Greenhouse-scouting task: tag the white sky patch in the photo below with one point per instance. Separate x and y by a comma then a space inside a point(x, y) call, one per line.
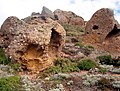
point(83, 8)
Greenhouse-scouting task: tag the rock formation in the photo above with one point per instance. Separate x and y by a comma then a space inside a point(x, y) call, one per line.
point(47, 13)
point(103, 30)
point(34, 41)
point(68, 17)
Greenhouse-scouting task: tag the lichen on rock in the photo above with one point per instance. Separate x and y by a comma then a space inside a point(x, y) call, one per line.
point(34, 41)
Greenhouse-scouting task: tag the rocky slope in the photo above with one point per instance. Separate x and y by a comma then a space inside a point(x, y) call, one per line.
point(71, 57)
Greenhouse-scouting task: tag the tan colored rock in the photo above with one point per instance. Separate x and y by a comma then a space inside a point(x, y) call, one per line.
point(103, 31)
point(34, 41)
point(68, 17)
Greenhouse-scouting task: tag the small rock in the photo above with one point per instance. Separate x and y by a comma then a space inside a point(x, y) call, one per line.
point(70, 82)
point(55, 89)
point(47, 78)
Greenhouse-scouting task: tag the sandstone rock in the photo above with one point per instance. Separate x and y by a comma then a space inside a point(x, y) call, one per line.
point(34, 41)
point(48, 13)
point(68, 17)
point(103, 31)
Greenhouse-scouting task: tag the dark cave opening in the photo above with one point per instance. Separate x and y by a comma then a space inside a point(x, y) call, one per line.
point(114, 32)
point(55, 38)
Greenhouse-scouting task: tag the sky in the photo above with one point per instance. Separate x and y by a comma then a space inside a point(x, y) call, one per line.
point(83, 8)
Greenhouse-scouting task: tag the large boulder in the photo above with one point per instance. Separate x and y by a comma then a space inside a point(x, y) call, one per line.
point(103, 31)
point(33, 42)
point(68, 17)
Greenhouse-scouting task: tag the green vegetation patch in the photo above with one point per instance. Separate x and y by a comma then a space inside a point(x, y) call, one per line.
point(63, 65)
point(3, 59)
point(73, 30)
point(9, 83)
point(103, 70)
point(105, 59)
point(87, 64)
point(108, 60)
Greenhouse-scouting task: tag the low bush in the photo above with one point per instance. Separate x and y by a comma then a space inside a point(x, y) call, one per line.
point(106, 59)
point(63, 65)
point(9, 83)
point(89, 47)
point(79, 44)
point(73, 30)
point(102, 70)
point(3, 59)
point(16, 66)
point(87, 64)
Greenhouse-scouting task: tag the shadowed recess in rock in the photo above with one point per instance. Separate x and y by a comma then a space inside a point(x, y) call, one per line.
point(114, 32)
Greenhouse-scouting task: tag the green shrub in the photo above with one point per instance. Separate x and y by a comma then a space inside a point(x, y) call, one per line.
point(116, 62)
point(79, 44)
point(87, 64)
point(9, 83)
point(106, 59)
point(3, 59)
point(54, 70)
point(63, 65)
point(89, 47)
point(73, 30)
point(70, 68)
point(103, 70)
point(16, 66)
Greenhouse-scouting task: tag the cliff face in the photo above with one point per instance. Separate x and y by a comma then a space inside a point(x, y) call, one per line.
point(34, 41)
point(103, 30)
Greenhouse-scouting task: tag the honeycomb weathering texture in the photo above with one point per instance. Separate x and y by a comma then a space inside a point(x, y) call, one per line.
point(103, 30)
point(34, 41)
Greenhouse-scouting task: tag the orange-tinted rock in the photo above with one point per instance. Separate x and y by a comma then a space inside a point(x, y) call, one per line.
point(103, 30)
point(34, 41)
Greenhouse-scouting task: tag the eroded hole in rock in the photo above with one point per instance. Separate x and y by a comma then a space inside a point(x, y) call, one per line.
point(55, 43)
point(95, 27)
point(20, 53)
point(32, 57)
point(98, 33)
point(55, 38)
point(114, 32)
point(87, 32)
point(56, 17)
point(33, 51)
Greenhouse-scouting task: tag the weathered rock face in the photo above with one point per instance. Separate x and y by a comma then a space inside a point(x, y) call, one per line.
point(103, 30)
point(47, 13)
point(68, 17)
point(34, 41)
